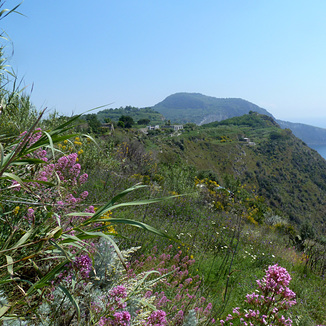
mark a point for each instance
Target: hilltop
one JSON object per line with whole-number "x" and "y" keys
{"x": 134, "y": 112}
{"x": 201, "y": 109}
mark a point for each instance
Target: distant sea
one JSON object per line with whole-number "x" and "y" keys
{"x": 321, "y": 149}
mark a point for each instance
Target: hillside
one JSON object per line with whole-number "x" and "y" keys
{"x": 201, "y": 109}
{"x": 136, "y": 113}
{"x": 309, "y": 134}
{"x": 275, "y": 164}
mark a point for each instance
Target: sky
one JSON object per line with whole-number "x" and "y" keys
{"x": 76, "y": 55}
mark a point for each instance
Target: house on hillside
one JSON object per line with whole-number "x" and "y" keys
{"x": 247, "y": 140}
{"x": 174, "y": 127}
{"x": 177, "y": 127}
{"x": 156, "y": 127}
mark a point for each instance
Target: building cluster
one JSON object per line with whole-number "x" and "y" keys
{"x": 174, "y": 127}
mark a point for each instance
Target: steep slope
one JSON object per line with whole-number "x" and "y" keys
{"x": 275, "y": 164}
{"x": 201, "y": 109}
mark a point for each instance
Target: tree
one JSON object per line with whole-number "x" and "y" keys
{"x": 143, "y": 121}
{"x": 127, "y": 120}
{"x": 93, "y": 123}
{"x": 121, "y": 124}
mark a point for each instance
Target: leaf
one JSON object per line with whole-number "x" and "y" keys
{"x": 10, "y": 266}
{"x": 53, "y": 232}
{"x": 71, "y": 299}
{"x": 64, "y": 253}
{"x": 110, "y": 205}
{"x": 51, "y": 143}
{"x": 136, "y": 224}
{"x": 12, "y": 176}
{"x": 48, "y": 277}
{"x": 4, "y": 309}
{"x": 2, "y": 154}
{"x": 23, "y": 239}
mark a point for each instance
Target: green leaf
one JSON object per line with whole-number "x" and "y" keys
{"x": 48, "y": 277}
{"x": 8, "y": 175}
{"x": 136, "y": 224}
{"x": 51, "y": 143}
{"x": 53, "y": 232}
{"x": 64, "y": 253}
{"x": 71, "y": 299}
{"x": 4, "y": 309}
{"x": 23, "y": 239}
{"x": 10, "y": 266}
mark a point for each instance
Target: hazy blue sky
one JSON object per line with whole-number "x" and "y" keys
{"x": 82, "y": 54}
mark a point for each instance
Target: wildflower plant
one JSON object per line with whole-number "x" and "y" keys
{"x": 266, "y": 306}
{"x": 48, "y": 236}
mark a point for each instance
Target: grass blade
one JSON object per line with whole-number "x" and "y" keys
{"x": 71, "y": 299}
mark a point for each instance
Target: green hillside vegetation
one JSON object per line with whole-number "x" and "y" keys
{"x": 135, "y": 113}
{"x": 226, "y": 229}
{"x": 287, "y": 173}
{"x": 202, "y": 109}
{"x": 119, "y": 227}
{"x": 199, "y": 109}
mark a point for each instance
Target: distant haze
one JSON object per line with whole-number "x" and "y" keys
{"x": 313, "y": 121}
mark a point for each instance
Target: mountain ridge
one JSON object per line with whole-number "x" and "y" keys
{"x": 201, "y": 109}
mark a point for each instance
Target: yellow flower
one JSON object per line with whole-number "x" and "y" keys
{"x": 65, "y": 141}
{"x": 16, "y": 210}
{"x": 109, "y": 227}
{"x": 64, "y": 147}
{"x": 80, "y": 152}
{"x": 60, "y": 145}
{"x": 77, "y": 138}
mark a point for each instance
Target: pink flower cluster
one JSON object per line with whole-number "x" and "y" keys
{"x": 275, "y": 296}
{"x": 157, "y": 318}
{"x": 115, "y": 297}
{"x": 84, "y": 266}
{"x": 33, "y": 138}
{"x": 119, "y": 319}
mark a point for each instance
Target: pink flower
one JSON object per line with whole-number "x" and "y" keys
{"x": 157, "y": 318}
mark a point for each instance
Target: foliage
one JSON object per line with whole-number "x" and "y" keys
{"x": 143, "y": 121}
{"x": 93, "y": 123}
{"x": 125, "y": 121}
{"x": 136, "y": 113}
{"x": 67, "y": 240}
{"x": 273, "y": 296}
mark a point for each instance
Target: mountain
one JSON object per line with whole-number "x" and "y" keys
{"x": 201, "y": 109}
{"x": 309, "y": 134}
